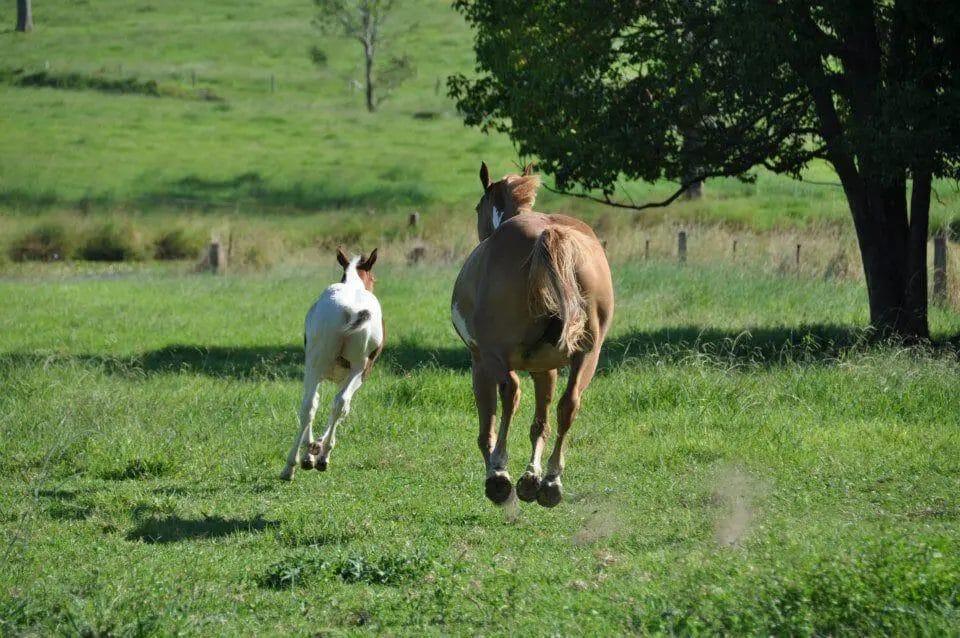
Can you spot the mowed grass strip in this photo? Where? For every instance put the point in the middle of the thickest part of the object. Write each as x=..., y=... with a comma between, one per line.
x=744, y=462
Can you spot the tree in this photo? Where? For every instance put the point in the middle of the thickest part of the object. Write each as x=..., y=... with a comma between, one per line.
x=643, y=89
x=363, y=21
x=24, y=16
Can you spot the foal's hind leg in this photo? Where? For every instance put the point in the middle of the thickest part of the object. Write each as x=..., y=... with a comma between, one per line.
x=308, y=410
x=339, y=411
x=582, y=367
x=544, y=384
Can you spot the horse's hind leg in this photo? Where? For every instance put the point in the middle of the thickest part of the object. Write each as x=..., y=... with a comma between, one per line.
x=582, y=367
x=499, y=486
x=308, y=409
x=544, y=384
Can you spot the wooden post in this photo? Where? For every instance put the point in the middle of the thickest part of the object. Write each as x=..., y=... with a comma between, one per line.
x=940, y=268
x=682, y=246
x=646, y=250
x=218, y=258
x=414, y=219
x=734, y=249
x=798, y=256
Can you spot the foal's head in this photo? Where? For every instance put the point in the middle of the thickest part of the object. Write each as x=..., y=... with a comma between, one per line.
x=364, y=268
x=512, y=195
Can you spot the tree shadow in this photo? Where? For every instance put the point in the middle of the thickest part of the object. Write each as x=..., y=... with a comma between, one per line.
x=251, y=188
x=173, y=529
x=768, y=346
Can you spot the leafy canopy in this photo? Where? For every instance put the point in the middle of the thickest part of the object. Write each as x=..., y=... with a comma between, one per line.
x=645, y=89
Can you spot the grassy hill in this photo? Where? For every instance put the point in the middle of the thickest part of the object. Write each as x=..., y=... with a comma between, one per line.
x=219, y=140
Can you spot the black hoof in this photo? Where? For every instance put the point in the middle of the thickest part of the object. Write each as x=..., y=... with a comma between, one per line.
x=527, y=487
x=499, y=488
x=321, y=466
x=551, y=492
x=307, y=463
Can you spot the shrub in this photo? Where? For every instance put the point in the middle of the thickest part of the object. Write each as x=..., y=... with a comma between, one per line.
x=47, y=242
x=178, y=243
x=112, y=241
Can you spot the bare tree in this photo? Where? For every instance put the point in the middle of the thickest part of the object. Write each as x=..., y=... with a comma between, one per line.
x=363, y=20
x=24, y=16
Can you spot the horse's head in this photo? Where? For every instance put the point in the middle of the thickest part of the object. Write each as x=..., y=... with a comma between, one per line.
x=512, y=195
x=364, y=267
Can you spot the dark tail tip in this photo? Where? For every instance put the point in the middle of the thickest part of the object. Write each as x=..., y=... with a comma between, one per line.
x=361, y=317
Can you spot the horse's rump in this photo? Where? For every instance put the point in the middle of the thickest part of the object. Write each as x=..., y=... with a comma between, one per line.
x=554, y=285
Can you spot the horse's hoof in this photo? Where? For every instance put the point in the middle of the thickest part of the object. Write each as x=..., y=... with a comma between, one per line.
x=321, y=466
x=528, y=486
x=286, y=474
x=308, y=463
x=551, y=492
x=499, y=487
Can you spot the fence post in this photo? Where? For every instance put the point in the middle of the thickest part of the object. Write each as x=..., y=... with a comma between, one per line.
x=734, y=249
x=940, y=268
x=682, y=246
x=798, y=256
x=218, y=258
x=646, y=250
x=414, y=219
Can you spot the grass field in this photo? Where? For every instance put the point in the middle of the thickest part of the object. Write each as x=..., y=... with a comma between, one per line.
x=743, y=463
x=747, y=460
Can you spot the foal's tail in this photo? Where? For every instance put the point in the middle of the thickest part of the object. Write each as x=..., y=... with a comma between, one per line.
x=554, y=289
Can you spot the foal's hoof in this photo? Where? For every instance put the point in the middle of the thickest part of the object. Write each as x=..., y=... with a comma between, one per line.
x=551, y=492
x=308, y=463
x=287, y=474
x=321, y=465
x=499, y=488
x=528, y=486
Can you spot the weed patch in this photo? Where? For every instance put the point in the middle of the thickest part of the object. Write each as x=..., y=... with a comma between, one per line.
x=376, y=569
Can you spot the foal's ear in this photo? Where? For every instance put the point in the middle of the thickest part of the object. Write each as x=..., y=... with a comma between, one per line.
x=528, y=169
x=371, y=260
x=484, y=175
x=342, y=258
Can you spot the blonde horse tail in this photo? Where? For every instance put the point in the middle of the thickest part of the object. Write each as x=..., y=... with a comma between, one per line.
x=554, y=290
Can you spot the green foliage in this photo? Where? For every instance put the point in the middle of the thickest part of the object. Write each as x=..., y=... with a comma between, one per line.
x=668, y=88
x=49, y=241
x=376, y=569
x=113, y=240
x=178, y=243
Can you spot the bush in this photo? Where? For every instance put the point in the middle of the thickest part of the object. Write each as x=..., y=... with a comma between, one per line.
x=112, y=242
x=178, y=243
x=48, y=242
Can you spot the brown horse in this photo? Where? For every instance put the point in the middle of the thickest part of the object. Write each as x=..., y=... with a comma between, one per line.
x=534, y=295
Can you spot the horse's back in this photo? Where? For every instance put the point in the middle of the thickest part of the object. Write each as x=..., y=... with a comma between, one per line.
x=491, y=300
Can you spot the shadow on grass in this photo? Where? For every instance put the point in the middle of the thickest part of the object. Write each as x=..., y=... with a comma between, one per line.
x=249, y=192
x=251, y=189
x=760, y=346
x=173, y=529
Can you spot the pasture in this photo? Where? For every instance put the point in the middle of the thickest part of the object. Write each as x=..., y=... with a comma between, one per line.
x=744, y=462
x=747, y=460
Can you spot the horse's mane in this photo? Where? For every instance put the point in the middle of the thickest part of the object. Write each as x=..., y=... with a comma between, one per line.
x=522, y=190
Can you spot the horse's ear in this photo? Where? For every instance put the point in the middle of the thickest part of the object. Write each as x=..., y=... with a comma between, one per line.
x=528, y=169
x=342, y=258
x=484, y=175
x=371, y=260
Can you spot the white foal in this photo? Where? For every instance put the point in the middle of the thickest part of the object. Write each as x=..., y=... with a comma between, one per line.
x=343, y=336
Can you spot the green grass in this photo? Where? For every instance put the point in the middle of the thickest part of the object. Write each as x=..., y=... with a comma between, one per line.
x=744, y=462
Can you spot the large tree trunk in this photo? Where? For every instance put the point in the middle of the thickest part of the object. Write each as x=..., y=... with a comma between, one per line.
x=24, y=16
x=894, y=253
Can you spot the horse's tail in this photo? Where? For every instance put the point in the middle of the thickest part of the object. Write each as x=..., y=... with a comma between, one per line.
x=554, y=290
